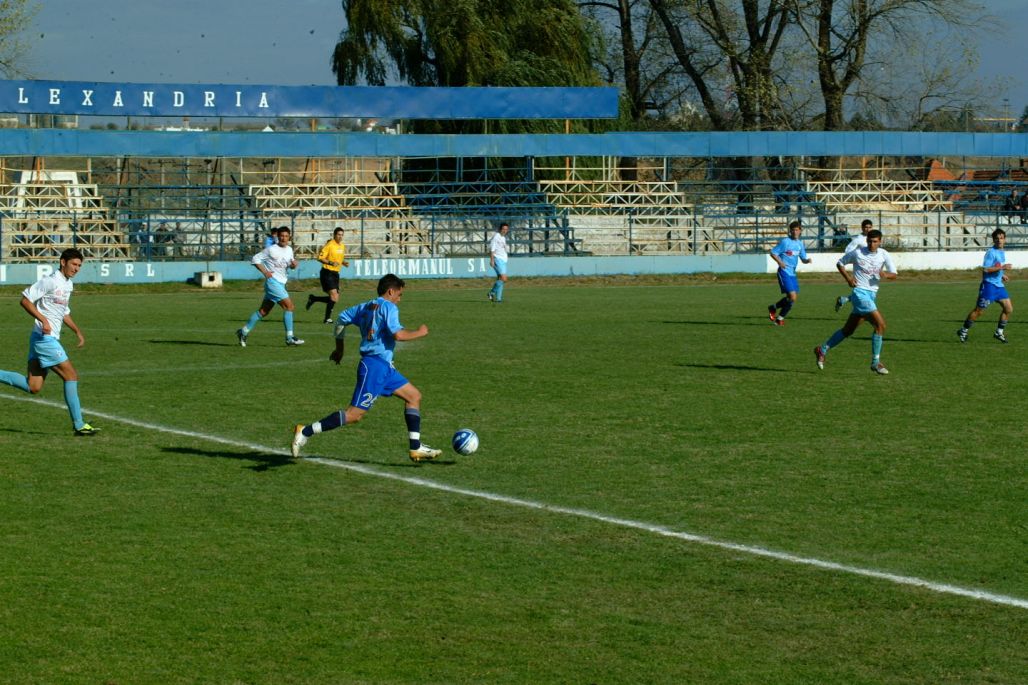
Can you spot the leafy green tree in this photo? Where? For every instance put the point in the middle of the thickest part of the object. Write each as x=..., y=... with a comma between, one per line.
x=464, y=43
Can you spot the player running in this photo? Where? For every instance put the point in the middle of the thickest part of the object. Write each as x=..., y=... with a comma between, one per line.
x=380, y=327
x=870, y=265
x=498, y=261
x=787, y=254
x=992, y=288
x=857, y=241
x=272, y=262
x=46, y=301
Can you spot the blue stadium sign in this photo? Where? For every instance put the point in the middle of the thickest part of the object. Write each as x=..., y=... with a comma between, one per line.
x=400, y=102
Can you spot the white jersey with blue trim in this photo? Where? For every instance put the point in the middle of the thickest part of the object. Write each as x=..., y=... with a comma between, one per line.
x=868, y=266
x=857, y=241
x=275, y=259
x=51, y=295
x=498, y=246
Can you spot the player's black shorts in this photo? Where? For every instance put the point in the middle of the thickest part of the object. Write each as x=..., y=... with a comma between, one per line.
x=329, y=280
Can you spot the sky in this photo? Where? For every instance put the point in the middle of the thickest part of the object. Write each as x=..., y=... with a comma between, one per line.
x=290, y=42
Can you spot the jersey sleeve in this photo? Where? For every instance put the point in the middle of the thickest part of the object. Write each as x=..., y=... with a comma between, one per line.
x=848, y=258
x=323, y=253
x=392, y=320
x=803, y=251
x=37, y=290
x=348, y=315
x=778, y=249
x=260, y=257
x=888, y=265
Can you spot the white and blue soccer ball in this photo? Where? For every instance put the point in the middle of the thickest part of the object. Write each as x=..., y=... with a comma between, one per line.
x=465, y=441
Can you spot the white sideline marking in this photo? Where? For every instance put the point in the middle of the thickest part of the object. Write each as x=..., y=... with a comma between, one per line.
x=913, y=581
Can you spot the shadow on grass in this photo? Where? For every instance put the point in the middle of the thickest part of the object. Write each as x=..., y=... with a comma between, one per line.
x=743, y=367
x=207, y=343
x=264, y=461
x=389, y=464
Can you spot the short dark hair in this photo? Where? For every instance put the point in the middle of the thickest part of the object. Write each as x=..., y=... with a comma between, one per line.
x=390, y=282
x=795, y=223
x=874, y=233
x=998, y=231
x=502, y=224
x=72, y=253
x=866, y=222
x=337, y=229
x=283, y=228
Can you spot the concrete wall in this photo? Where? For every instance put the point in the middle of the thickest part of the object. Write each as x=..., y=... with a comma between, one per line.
x=477, y=267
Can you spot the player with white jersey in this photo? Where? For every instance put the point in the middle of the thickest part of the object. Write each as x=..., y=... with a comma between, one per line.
x=272, y=262
x=993, y=288
x=856, y=242
x=498, y=261
x=380, y=329
x=870, y=265
x=47, y=301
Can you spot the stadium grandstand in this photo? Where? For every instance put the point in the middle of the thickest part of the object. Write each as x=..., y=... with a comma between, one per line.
x=213, y=195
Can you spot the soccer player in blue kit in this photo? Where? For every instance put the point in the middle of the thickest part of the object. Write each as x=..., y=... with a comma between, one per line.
x=47, y=301
x=992, y=288
x=380, y=327
x=787, y=253
x=870, y=265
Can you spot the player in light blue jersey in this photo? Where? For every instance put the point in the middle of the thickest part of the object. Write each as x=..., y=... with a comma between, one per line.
x=857, y=241
x=47, y=301
x=992, y=288
x=272, y=262
x=789, y=252
x=380, y=329
x=498, y=260
x=870, y=265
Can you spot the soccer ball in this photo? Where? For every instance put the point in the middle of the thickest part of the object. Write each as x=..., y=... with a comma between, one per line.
x=465, y=441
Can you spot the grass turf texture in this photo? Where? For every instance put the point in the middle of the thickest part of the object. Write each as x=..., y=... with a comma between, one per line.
x=140, y=556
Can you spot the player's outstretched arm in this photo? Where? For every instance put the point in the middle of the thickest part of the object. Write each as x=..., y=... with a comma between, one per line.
x=403, y=334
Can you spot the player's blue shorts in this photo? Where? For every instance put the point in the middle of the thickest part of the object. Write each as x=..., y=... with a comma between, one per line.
x=788, y=283
x=989, y=293
x=500, y=267
x=47, y=349
x=275, y=291
x=375, y=378
x=863, y=301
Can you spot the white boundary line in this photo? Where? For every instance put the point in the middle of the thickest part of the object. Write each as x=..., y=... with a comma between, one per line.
x=913, y=581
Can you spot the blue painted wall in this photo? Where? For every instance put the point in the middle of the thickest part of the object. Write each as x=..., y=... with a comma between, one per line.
x=441, y=267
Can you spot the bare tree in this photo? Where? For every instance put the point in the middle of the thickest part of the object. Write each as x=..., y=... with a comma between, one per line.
x=839, y=33
x=15, y=17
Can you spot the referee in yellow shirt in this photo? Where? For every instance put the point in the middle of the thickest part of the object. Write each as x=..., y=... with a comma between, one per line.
x=332, y=257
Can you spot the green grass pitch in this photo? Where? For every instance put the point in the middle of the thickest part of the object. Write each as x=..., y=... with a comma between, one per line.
x=208, y=556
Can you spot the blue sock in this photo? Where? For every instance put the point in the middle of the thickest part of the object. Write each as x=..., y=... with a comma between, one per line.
x=836, y=338
x=1001, y=325
x=499, y=291
x=786, y=308
x=330, y=422
x=71, y=398
x=876, y=348
x=843, y=299
x=254, y=320
x=287, y=319
x=413, y=418
x=968, y=323
x=15, y=380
